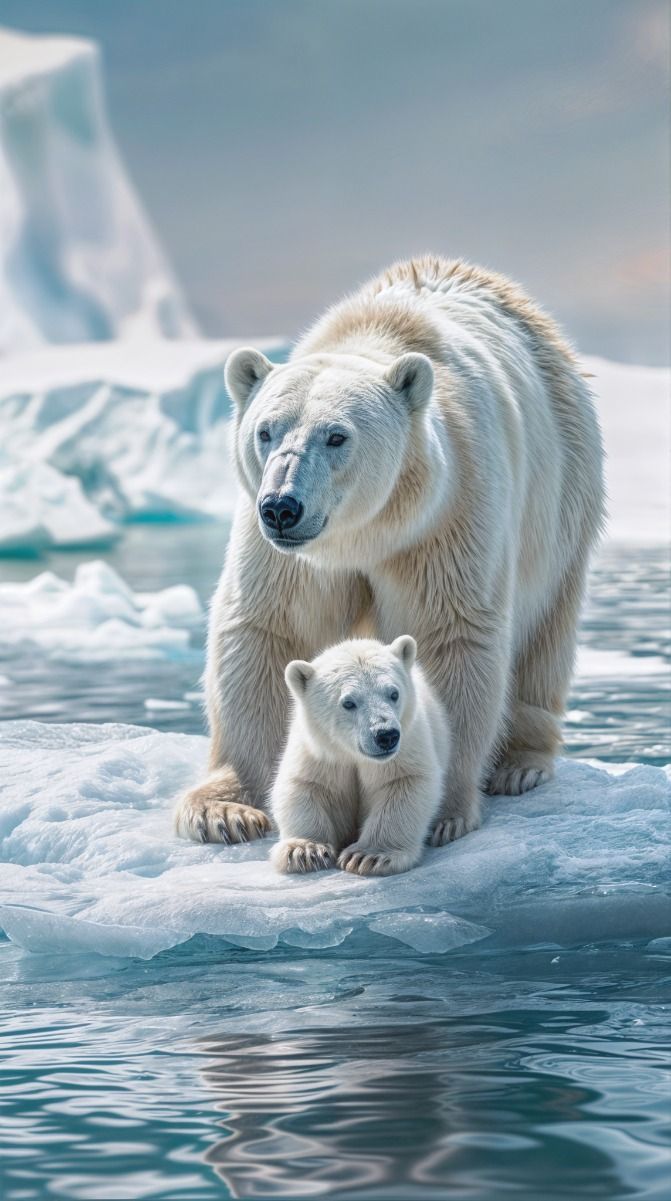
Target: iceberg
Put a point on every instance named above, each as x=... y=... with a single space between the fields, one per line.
x=94 y=435
x=96 y=617
x=89 y=860
x=79 y=259
x=43 y=508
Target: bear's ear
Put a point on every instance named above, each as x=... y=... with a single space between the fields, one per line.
x=405 y=649
x=297 y=674
x=412 y=376
x=245 y=368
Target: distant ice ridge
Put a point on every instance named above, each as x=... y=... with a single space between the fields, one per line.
x=96 y=434
x=89 y=861
x=93 y=435
x=635 y=414
x=97 y=617
x=79 y=261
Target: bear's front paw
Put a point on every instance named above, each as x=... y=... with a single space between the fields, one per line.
x=214 y=813
x=302 y=855
x=370 y=861
x=448 y=829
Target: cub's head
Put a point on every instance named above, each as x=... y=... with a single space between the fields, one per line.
x=320 y=442
x=357 y=697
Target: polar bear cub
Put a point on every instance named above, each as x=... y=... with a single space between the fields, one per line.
x=362 y=774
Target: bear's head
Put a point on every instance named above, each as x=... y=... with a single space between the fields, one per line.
x=321 y=441
x=357 y=698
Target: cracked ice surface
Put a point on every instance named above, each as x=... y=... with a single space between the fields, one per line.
x=89 y=861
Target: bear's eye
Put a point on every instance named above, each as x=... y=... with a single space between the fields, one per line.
x=264 y=436
x=348 y=703
x=335 y=439
x=393 y=695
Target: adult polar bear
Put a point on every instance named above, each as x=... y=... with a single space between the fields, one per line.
x=428 y=462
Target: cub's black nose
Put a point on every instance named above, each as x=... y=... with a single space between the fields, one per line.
x=387 y=738
x=280 y=512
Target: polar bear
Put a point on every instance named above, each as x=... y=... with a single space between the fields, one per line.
x=428 y=459
x=364 y=765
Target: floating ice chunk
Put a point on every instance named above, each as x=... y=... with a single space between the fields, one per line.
x=89 y=860
x=79 y=258
x=97 y=616
x=436 y=932
x=176 y=606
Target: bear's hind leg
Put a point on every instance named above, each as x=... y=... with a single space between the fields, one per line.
x=541 y=680
x=526 y=758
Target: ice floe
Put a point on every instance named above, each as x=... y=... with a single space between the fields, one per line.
x=96 y=617
x=79 y=260
x=97 y=434
x=90 y=861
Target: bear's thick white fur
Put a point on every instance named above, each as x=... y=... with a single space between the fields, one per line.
x=340 y=797
x=442 y=450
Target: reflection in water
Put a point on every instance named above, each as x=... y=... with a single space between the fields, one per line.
x=440 y=1109
x=466 y=1077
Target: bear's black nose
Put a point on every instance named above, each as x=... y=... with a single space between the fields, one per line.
x=280 y=512
x=386 y=737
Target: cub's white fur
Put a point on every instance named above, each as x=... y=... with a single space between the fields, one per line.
x=428 y=460
x=344 y=783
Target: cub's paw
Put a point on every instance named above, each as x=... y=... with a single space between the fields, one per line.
x=371 y=861
x=448 y=829
x=302 y=855
x=513 y=777
x=216 y=812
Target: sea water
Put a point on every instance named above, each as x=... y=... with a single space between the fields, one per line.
x=359 y=1071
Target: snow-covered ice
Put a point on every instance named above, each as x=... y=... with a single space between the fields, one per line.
x=90 y=861
x=91 y=435
x=634 y=406
x=96 y=617
x=79 y=260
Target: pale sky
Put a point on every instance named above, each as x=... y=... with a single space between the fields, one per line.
x=286 y=149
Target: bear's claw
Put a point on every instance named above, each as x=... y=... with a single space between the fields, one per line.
x=448 y=829
x=368 y=861
x=302 y=855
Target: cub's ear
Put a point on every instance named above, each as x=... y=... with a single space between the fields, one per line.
x=412 y=376
x=405 y=649
x=245 y=368
x=297 y=674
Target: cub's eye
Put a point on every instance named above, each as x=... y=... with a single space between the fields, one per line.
x=348 y=704
x=335 y=439
x=264 y=436
x=393 y=695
